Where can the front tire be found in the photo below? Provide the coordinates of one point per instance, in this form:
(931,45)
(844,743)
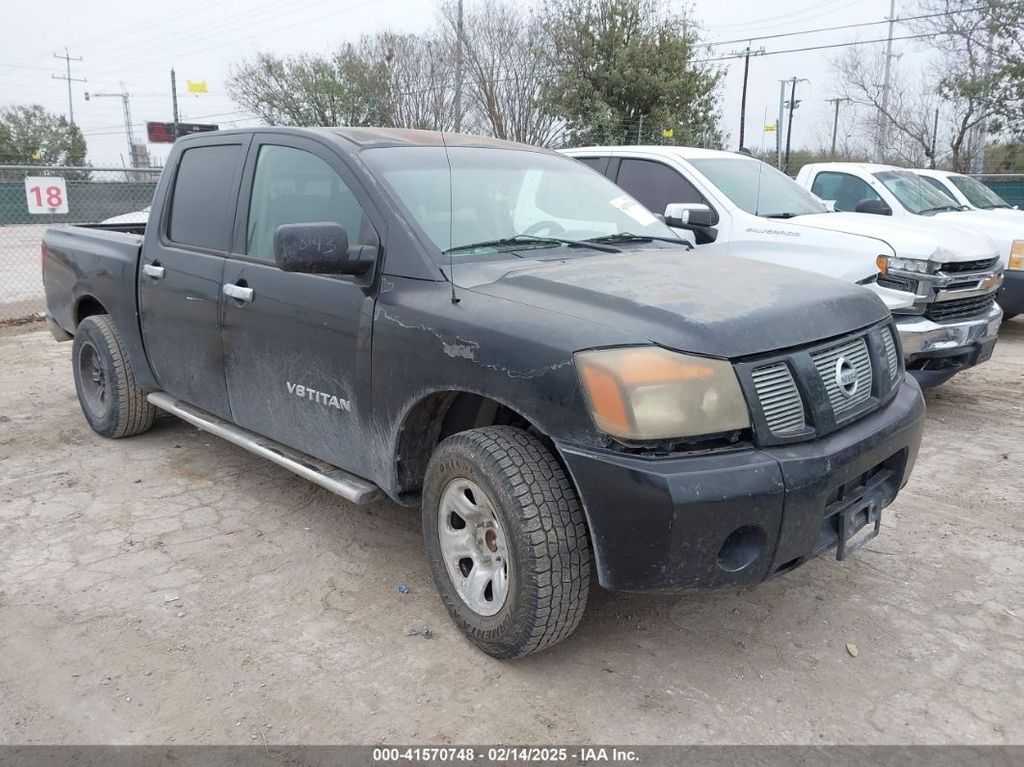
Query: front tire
(506,540)
(111,401)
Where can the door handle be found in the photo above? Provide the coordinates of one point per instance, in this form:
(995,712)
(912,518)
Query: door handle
(153,270)
(238,292)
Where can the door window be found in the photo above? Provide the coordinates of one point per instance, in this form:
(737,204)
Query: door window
(292,186)
(202,203)
(846,190)
(600,164)
(656,185)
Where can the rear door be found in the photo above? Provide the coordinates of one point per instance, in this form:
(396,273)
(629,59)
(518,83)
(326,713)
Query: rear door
(181,269)
(297,346)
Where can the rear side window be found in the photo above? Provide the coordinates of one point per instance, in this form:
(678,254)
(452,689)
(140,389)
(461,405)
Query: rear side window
(203,200)
(845,190)
(656,185)
(600,164)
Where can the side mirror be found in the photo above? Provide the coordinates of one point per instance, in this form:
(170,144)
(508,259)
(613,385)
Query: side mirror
(877,207)
(319,247)
(830,206)
(685,215)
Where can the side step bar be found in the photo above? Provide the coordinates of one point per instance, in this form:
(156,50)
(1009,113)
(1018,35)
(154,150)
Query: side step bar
(348,486)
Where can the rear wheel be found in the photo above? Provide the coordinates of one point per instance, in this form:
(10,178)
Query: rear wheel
(111,401)
(506,540)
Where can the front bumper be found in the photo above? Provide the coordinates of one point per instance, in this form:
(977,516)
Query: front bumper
(936,351)
(733,518)
(1011,294)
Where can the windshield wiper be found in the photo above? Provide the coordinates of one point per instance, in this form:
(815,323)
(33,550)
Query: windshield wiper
(527,239)
(630,237)
(940,208)
(780,215)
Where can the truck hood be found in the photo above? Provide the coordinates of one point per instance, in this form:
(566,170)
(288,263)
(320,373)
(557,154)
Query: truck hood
(1002,229)
(711,304)
(925,242)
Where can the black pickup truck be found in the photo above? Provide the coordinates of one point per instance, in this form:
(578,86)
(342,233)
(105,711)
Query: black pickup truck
(500,335)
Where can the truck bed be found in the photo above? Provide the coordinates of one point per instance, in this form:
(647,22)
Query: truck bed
(90,268)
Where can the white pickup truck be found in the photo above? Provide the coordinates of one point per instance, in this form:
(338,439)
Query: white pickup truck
(906,195)
(939,287)
(971,193)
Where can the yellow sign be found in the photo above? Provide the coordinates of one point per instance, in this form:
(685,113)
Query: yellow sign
(196,86)
(769,128)
(667,133)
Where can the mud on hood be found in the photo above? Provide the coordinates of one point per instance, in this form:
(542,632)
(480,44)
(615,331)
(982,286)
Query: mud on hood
(908,239)
(714,305)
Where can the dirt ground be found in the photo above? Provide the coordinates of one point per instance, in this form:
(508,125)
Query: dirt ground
(173,588)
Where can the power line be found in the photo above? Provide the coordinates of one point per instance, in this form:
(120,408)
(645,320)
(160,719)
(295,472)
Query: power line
(816,47)
(840,27)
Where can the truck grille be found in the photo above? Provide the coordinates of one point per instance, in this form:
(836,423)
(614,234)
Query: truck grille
(780,400)
(891,355)
(826,361)
(980,265)
(960,307)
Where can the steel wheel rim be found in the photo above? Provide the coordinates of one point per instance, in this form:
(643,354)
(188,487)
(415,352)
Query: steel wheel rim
(474,547)
(93,378)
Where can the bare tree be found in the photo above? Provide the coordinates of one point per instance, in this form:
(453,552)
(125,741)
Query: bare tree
(908,113)
(505,71)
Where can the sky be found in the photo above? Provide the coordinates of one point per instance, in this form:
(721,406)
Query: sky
(137,44)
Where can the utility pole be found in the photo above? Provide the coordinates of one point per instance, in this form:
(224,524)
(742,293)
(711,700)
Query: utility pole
(883,115)
(779,123)
(835,122)
(458,70)
(935,141)
(68,58)
(746,53)
(793,103)
(129,134)
(174,102)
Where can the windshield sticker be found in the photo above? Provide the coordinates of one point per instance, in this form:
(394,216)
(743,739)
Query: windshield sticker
(634,210)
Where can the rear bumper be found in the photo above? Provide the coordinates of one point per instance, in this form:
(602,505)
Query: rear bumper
(1011,294)
(936,351)
(734,518)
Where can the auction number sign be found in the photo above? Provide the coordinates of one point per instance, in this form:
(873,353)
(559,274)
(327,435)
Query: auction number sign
(46,194)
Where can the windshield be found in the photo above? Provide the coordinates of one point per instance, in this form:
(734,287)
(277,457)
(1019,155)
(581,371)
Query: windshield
(914,193)
(758,188)
(977,194)
(500,194)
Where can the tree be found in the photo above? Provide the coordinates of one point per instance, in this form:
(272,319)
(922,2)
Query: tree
(624,71)
(29,135)
(505,71)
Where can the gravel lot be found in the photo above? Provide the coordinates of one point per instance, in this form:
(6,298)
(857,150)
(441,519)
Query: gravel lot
(172,588)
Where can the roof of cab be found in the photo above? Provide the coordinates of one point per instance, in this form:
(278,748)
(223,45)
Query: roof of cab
(358,139)
(685,152)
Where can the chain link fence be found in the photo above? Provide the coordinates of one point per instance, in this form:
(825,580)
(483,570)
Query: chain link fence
(33,197)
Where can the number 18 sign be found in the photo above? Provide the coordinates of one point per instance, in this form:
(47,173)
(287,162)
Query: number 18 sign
(46,194)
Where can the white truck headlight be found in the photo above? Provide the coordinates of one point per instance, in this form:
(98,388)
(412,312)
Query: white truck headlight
(1016,255)
(648,393)
(887,263)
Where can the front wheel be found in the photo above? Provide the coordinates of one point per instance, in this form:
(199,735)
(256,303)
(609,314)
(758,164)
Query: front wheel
(506,540)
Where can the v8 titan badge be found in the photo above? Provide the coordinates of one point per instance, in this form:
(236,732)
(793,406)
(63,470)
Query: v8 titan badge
(46,195)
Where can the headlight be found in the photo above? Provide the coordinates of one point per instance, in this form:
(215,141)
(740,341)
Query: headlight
(885,263)
(1017,255)
(645,393)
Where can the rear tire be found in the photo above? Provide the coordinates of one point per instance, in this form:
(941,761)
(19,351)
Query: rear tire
(506,540)
(111,401)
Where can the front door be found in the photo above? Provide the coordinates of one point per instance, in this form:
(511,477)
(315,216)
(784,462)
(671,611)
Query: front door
(297,346)
(181,270)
